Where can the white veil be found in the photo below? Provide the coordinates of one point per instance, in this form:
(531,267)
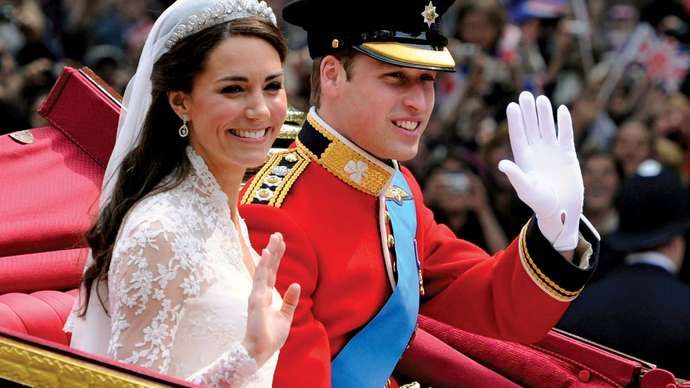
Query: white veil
(91,333)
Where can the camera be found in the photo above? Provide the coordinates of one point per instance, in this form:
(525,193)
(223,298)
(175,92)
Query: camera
(457,182)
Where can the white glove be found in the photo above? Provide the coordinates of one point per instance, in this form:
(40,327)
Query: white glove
(546,173)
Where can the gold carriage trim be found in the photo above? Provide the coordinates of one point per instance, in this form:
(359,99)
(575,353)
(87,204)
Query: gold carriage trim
(30,365)
(272,183)
(543,281)
(348,164)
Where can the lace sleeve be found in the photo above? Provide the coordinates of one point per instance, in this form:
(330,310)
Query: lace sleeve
(232,369)
(147,288)
(152,273)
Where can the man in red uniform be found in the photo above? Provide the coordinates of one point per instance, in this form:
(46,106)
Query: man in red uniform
(365,250)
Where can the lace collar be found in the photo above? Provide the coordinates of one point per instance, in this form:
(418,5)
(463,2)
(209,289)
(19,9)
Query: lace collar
(204,180)
(342,158)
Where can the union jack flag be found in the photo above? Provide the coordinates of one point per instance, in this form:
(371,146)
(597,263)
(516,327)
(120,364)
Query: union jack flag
(663,59)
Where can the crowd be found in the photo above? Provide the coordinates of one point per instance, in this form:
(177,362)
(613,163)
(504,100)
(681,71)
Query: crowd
(619,66)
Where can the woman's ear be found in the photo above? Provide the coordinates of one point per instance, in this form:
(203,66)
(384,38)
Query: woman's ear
(179,103)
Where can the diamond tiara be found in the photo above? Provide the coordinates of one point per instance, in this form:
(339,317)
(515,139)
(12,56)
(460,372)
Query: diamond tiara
(223,11)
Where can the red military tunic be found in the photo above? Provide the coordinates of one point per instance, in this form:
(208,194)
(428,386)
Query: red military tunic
(325,196)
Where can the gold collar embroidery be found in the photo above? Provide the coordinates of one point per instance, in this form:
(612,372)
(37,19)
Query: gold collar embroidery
(342,158)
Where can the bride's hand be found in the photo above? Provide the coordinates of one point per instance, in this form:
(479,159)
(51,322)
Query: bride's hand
(268,326)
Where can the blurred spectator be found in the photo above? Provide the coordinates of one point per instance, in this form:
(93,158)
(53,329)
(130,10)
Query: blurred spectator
(486,78)
(39,37)
(459,200)
(669,17)
(633,97)
(602,177)
(298,66)
(642,308)
(593,128)
(511,212)
(78,33)
(110,63)
(673,123)
(621,22)
(634,144)
(29,18)
(545,41)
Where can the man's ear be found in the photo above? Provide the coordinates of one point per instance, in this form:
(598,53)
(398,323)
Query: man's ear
(179,103)
(332,75)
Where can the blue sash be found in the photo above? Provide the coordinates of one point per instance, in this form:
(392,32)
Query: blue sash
(369,358)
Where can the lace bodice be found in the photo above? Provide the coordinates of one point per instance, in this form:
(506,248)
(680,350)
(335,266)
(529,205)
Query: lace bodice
(178,288)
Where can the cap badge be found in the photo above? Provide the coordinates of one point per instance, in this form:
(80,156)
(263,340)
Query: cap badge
(429,14)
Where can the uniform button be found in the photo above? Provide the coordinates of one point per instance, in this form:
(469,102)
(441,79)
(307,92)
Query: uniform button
(584,375)
(263,194)
(291,157)
(273,180)
(391,241)
(388,217)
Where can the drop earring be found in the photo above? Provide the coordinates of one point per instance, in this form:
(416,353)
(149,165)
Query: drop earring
(184,129)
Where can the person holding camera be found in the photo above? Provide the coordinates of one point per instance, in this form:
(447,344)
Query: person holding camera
(459,200)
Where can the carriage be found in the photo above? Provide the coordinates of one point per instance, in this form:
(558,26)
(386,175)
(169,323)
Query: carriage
(50,180)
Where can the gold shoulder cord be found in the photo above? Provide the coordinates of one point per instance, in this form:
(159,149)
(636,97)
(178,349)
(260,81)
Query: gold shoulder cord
(272,183)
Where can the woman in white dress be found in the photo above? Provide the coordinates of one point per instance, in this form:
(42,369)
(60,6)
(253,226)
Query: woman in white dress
(172,282)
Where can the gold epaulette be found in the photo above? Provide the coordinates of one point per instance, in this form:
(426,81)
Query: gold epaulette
(272,183)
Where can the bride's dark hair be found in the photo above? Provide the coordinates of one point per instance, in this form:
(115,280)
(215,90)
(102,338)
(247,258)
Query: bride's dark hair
(160,152)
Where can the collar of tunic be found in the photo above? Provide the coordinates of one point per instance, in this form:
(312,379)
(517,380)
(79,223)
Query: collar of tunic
(343,158)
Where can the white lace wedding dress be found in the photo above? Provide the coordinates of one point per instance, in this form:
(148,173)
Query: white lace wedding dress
(178,288)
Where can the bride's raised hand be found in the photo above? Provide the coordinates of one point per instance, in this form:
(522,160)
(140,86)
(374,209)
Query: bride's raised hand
(268,326)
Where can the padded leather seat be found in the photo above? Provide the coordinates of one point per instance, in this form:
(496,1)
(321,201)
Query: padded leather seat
(49,197)
(41,314)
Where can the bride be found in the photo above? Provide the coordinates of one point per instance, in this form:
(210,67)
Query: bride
(172,282)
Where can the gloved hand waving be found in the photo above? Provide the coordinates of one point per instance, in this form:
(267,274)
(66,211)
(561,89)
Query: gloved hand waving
(546,173)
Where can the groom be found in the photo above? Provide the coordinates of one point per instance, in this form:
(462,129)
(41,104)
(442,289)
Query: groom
(366,251)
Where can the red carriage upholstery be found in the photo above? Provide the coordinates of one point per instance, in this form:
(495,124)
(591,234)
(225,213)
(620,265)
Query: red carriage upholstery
(442,356)
(51,179)
(50,270)
(41,313)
